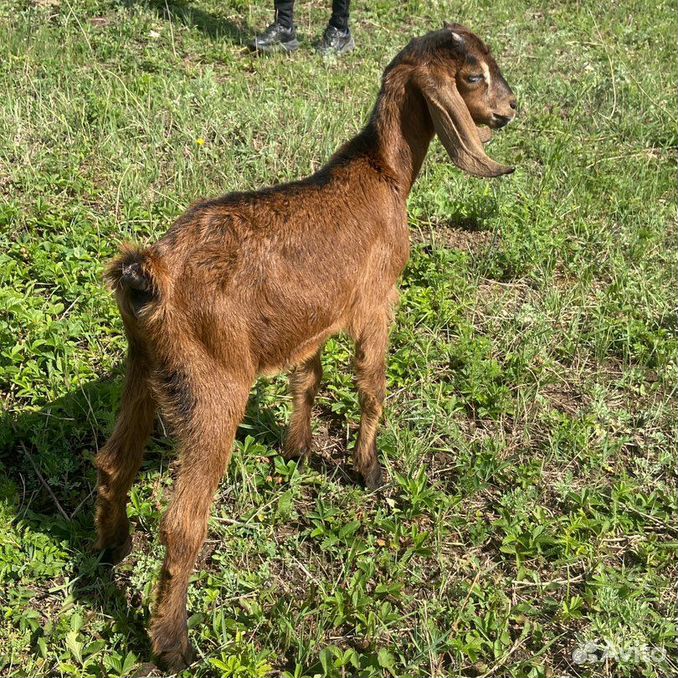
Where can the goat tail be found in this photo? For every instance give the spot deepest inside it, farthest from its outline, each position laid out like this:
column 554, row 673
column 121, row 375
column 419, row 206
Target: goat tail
column 138, row 277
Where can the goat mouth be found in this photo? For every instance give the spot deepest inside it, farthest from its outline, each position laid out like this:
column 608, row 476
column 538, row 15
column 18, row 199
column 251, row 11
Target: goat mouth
column 499, row 121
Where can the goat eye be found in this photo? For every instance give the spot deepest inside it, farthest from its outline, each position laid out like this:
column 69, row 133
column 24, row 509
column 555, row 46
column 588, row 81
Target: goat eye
column 474, row 78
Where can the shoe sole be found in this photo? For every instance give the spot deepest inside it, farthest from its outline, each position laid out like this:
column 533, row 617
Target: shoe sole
column 291, row 46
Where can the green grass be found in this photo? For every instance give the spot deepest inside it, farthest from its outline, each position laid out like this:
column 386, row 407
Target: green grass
column 531, row 425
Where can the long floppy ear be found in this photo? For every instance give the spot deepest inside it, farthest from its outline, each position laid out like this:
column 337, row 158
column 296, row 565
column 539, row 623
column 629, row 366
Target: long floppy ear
column 457, row 131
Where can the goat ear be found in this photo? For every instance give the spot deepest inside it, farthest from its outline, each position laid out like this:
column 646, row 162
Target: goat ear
column 457, row 131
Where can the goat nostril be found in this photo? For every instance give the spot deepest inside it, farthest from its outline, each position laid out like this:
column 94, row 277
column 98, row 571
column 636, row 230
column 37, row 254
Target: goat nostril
column 513, row 104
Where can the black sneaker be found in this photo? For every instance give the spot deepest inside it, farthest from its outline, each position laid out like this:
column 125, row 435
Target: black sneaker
column 276, row 38
column 336, row 41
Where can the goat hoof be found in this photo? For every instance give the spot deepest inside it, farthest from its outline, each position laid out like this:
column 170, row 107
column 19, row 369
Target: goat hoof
column 291, row 455
column 146, row 670
column 176, row 659
column 112, row 555
column 170, row 645
column 374, row 478
column 293, row 451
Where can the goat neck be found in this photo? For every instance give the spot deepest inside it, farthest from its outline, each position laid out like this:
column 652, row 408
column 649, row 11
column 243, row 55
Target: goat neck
column 401, row 127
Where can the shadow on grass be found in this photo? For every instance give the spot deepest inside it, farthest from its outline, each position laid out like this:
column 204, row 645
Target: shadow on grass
column 475, row 233
column 182, row 12
column 462, row 229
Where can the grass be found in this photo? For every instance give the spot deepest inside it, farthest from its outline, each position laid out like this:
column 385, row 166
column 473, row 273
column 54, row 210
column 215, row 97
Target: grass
column 531, row 424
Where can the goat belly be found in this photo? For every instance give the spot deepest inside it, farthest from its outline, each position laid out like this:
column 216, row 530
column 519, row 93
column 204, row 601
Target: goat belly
column 284, row 335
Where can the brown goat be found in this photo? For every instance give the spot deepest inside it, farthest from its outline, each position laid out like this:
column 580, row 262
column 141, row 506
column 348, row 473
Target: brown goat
column 255, row 283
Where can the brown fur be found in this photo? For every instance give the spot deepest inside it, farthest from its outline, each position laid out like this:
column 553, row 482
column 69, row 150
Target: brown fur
column 255, row 283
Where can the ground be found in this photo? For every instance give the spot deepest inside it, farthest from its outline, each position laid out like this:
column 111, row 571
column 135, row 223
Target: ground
column 527, row 528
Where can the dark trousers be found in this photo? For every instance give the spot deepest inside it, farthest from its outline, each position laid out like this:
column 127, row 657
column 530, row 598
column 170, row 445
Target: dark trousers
column 284, row 13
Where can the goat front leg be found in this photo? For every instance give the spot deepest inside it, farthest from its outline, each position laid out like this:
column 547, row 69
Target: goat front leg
column 304, row 385
column 370, row 363
column 206, row 434
column 120, row 458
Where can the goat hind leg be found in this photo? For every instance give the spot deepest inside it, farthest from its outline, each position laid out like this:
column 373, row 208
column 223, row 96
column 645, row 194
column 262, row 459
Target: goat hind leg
column 120, row 458
column 304, row 384
column 206, row 438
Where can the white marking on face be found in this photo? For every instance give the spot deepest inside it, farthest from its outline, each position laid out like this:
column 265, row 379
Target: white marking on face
column 486, row 73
